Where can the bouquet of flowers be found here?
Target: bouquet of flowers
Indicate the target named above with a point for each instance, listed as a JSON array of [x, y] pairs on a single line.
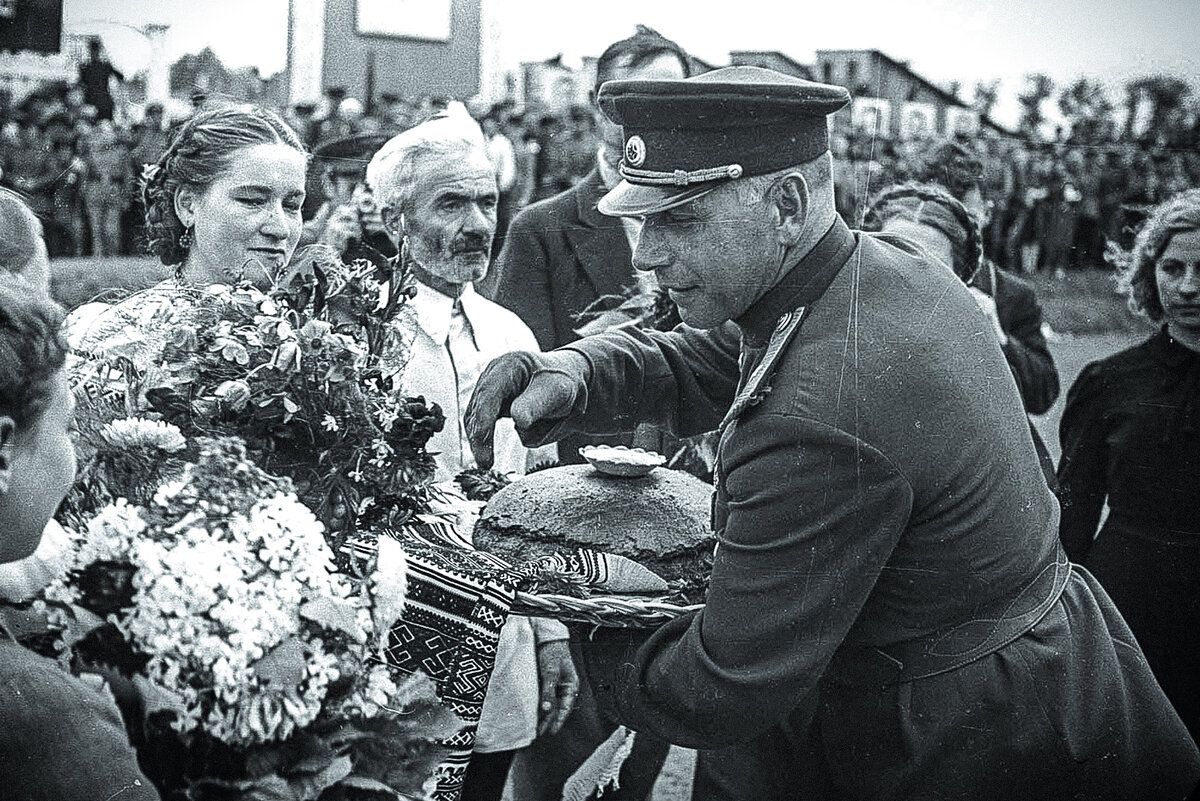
[[303, 373], [257, 665], [216, 606]]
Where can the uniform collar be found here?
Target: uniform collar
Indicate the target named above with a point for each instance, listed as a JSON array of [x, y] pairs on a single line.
[[806, 281]]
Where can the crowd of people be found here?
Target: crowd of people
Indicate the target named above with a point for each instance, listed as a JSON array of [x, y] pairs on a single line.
[[1053, 204], [897, 607]]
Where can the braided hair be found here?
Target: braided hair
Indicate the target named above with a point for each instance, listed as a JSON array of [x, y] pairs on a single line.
[[934, 206], [198, 154]]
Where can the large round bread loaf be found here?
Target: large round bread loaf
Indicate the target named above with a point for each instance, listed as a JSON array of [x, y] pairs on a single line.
[[661, 520]]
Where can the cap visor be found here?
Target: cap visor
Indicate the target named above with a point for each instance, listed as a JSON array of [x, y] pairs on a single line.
[[634, 200]]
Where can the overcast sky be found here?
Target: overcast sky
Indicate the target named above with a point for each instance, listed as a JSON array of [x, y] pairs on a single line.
[[945, 40]]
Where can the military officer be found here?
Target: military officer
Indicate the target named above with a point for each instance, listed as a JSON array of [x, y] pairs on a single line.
[[890, 614]]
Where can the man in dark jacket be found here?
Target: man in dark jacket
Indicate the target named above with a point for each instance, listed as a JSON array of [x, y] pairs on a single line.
[[890, 615], [564, 261]]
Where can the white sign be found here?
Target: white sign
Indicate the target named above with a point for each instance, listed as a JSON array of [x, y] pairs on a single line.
[[417, 19], [872, 115], [918, 121]]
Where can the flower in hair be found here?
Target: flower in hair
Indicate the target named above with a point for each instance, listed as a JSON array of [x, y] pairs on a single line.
[[150, 172]]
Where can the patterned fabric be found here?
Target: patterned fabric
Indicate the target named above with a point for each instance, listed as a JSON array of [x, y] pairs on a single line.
[[456, 600]]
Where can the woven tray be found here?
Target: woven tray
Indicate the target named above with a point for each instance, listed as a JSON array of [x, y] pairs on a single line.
[[612, 611]]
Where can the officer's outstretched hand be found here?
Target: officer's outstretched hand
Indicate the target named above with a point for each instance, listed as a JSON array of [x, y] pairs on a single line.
[[537, 390]]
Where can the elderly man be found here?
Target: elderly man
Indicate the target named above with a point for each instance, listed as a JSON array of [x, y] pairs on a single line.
[[890, 614], [437, 191]]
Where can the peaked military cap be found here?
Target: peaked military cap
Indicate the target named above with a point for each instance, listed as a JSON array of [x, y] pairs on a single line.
[[349, 155], [686, 137]]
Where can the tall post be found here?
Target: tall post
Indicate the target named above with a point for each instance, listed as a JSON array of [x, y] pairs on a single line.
[[494, 80], [158, 74], [306, 50]]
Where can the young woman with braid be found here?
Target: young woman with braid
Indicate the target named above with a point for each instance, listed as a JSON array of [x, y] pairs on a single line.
[[930, 216], [222, 205]]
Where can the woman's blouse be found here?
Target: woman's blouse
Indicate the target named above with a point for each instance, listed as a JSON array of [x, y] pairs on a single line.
[[1130, 436]]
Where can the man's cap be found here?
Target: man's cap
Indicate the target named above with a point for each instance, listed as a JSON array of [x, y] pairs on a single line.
[[686, 137], [349, 155]]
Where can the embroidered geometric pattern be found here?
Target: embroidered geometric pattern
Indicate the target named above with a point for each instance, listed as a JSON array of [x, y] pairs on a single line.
[[456, 602]]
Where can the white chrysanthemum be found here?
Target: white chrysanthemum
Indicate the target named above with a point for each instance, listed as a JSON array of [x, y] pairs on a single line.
[[133, 432], [219, 588]]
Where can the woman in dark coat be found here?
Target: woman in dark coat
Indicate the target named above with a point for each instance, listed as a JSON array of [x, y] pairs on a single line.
[[1131, 437]]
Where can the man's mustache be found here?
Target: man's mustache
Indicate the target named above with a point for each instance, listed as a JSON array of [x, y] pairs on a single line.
[[470, 244]]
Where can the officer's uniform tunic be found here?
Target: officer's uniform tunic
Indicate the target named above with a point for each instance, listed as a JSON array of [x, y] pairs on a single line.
[[890, 614]]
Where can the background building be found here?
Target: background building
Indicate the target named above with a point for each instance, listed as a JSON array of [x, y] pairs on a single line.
[[906, 105]]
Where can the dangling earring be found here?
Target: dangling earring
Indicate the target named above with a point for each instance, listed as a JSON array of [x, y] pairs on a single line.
[[186, 239]]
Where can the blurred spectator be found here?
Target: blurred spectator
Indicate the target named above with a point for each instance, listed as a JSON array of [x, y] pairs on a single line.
[[334, 125], [502, 154], [94, 75], [69, 174], [394, 114], [525, 152], [1088, 246], [106, 187], [302, 120]]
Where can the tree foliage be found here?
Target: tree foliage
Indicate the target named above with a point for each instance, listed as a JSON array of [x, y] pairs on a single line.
[[1038, 88], [987, 93], [1164, 96], [1086, 107]]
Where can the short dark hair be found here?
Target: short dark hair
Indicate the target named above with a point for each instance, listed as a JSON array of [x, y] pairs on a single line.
[[645, 45], [32, 350]]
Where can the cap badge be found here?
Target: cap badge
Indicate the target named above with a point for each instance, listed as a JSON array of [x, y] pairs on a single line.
[[635, 151]]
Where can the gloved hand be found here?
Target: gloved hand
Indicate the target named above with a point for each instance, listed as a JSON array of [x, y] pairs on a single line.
[[537, 390]]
